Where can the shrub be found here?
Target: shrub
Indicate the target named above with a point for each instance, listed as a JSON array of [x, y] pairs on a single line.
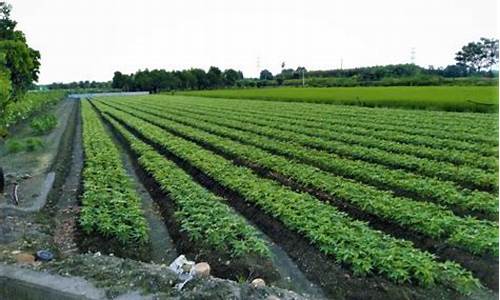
[[43, 124], [33, 144], [14, 146], [28, 144]]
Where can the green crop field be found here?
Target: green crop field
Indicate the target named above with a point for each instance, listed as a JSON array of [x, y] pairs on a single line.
[[378, 193], [211, 159], [447, 98]]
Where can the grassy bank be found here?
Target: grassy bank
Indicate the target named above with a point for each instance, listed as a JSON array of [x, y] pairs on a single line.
[[448, 98]]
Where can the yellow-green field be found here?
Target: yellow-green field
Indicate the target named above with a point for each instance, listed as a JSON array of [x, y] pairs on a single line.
[[448, 98]]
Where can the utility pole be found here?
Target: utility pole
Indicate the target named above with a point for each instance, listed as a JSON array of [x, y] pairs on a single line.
[[282, 75], [412, 55], [258, 67], [303, 78], [341, 62]]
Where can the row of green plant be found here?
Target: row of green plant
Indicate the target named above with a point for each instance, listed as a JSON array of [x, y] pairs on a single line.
[[465, 175], [446, 98], [203, 216], [422, 188], [351, 243], [43, 124], [359, 126], [423, 217], [424, 119], [26, 106], [354, 125], [110, 204], [476, 128], [339, 134]]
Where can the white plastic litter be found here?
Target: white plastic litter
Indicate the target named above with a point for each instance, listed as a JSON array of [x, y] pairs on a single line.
[[184, 270]]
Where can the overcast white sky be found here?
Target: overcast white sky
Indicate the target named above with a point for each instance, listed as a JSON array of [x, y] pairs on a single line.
[[90, 39]]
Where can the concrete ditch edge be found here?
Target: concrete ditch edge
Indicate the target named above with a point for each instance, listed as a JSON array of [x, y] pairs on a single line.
[[20, 283]]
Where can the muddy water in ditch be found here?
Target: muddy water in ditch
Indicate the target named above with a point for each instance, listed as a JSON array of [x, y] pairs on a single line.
[[163, 248], [292, 277]]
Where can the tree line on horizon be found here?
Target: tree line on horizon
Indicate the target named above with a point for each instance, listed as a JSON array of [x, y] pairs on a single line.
[[161, 80], [473, 59], [19, 69]]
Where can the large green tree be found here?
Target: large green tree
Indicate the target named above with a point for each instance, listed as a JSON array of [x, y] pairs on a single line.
[[22, 61], [478, 56], [266, 75], [231, 76], [120, 81], [214, 77]]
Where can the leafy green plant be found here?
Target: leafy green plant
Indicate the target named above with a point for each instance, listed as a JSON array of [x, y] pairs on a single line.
[[43, 124], [350, 242], [202, 215], [463, 130], [422, 187], [33, 144], [465, 175], [19, 145], [242, 279], [27, 105], [14, 145], [111, 206], [367, 138], [423, 217]]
